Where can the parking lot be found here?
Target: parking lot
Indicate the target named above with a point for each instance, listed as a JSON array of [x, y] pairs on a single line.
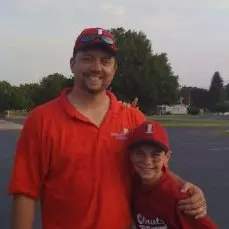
[[200, 155]]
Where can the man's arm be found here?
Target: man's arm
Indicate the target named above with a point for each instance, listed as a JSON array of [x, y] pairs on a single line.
[[195, 205], [187, 222], [28, 173], [23, 212]]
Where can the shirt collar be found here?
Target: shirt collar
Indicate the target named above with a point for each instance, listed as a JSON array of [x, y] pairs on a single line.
[[70, 110]]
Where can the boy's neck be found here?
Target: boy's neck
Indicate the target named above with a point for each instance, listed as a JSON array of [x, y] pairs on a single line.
[[153, 181]]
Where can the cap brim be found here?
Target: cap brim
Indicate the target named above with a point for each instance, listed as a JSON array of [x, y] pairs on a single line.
[[98, 45], [151, 142]]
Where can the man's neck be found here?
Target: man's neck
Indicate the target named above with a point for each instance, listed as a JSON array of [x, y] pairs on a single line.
[[92, 106], [82, 99]]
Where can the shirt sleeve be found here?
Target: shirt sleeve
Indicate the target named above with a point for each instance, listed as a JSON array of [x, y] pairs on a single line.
[[188, 222], [30, 162], [140, 117], [137, 117]]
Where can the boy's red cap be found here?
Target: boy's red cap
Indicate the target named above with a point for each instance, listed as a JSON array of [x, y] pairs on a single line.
[[150, 132], [101, 36]]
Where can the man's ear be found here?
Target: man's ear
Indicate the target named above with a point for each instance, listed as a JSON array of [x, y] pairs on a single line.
[[115, 65], [72, 62]]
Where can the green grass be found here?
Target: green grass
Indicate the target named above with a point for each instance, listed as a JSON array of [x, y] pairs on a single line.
[[226, 132], [187, 122], [193, 124]]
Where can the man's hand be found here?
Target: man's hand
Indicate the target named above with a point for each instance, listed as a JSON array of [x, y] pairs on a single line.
[[132, 104], [135, 102], [195, 205]]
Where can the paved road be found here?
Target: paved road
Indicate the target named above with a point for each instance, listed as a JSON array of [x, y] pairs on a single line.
[[200, 155]]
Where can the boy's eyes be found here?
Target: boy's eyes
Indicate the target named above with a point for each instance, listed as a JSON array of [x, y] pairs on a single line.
[[138, 153], [152, 154]]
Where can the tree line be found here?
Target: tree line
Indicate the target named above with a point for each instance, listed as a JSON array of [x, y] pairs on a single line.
[[214, 99], [141, 73]]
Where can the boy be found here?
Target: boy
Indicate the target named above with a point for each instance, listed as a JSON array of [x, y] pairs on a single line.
[[156, 192]]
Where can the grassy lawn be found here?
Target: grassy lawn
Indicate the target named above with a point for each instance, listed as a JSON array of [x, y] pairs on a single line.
[[226, 132], [178, 121], [190, 122]]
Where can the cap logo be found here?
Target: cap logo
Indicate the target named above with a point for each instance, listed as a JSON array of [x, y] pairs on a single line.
[[149, 129], [100, 32]]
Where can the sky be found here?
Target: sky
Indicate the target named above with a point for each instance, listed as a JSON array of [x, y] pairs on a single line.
[[37, 36]]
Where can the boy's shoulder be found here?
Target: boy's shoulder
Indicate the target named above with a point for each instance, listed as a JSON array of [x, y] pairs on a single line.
[[168, 188]]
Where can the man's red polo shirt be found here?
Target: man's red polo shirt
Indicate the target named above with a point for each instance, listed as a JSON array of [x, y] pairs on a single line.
[[79, 171]]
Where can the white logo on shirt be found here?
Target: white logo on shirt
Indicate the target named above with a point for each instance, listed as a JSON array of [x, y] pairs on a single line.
[[155, 223], [121, 135]]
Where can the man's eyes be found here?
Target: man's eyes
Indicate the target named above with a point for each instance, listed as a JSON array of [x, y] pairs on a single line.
[[86, 58], [104, 60]]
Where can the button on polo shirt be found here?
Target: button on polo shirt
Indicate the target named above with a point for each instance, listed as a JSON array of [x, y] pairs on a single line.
[[78, 170]]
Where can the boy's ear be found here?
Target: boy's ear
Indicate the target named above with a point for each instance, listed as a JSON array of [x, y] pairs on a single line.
[[167, 157], [130, 156]]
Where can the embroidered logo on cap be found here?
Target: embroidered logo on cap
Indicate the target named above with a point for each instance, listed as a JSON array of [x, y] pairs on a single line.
[[100, 32], [149, 129]]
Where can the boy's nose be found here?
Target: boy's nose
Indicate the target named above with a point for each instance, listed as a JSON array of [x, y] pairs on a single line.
[[148, 159]]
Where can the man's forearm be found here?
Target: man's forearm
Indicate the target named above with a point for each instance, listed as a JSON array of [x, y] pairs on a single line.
[[23, 212]]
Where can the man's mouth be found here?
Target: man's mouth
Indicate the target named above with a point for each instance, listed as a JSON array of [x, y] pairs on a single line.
[[94, 79], [92, 76], [145, 168]]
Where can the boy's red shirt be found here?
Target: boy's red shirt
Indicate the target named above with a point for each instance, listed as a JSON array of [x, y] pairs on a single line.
[[155, 206], [79, 171]]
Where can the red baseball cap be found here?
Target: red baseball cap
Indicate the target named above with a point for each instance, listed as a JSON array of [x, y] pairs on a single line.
[[150, 132], [91, 36]]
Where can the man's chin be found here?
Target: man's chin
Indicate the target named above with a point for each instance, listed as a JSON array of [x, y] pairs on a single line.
[[94, 90]]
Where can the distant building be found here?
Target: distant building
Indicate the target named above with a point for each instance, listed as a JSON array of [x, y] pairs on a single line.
[[173, 109]]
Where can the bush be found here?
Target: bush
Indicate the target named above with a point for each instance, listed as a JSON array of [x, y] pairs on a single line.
[[222, 107], [193, 111]]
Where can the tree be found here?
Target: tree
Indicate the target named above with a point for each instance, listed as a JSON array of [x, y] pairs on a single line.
[[216, 91], [6, 91], [227, 92], [142, 74], [50, 87], [222, 107], [198, 97]]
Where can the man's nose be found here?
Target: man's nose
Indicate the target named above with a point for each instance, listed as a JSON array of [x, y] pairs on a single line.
[[97, 65]]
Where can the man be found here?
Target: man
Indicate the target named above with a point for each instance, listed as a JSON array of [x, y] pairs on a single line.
[[70, 153]]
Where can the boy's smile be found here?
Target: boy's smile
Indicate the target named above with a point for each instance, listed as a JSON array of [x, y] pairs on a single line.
[[148, 161]]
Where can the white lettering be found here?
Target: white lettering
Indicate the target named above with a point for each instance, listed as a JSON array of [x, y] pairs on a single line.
[[139, 219], [149, 129], [156, 223]]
